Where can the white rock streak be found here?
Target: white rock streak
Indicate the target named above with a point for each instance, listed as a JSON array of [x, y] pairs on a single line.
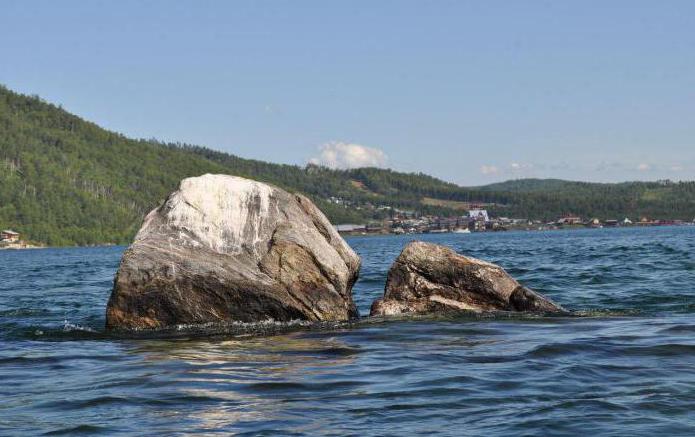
[[224, 212]]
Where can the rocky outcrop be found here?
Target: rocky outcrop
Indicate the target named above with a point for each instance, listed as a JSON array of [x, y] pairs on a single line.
[[429, 278], [223, 248]]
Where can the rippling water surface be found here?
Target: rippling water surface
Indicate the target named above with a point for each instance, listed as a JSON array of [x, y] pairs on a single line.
[[627, 367]]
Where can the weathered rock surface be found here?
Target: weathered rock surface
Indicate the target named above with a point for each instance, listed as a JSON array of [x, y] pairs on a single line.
[[427, 278], [224, 248]]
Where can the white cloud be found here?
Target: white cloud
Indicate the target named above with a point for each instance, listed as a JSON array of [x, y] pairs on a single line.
[[677, 168], [644, 167], [489, 169], [516, 168], [337, 154]]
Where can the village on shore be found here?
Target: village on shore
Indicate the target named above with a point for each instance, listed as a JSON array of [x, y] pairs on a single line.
[[410, 222], [478, 220], [10, 239]]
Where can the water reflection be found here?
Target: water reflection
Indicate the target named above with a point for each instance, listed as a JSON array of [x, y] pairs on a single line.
[[226, 383]]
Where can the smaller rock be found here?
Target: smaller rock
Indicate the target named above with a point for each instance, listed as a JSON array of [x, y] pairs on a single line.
[[429, 278]]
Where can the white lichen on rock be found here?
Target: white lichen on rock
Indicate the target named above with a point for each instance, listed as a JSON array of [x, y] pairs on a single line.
[[224, 213]]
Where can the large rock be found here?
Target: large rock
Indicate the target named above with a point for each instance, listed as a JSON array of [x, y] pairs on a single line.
[[224, 248], [428, 278]]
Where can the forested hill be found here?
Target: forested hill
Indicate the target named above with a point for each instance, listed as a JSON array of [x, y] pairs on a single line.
[[65, 181]]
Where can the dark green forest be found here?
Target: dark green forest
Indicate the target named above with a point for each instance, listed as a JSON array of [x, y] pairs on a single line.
[[66, 181]]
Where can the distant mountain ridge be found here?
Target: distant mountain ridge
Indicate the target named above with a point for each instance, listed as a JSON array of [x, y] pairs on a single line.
[[67, 181]]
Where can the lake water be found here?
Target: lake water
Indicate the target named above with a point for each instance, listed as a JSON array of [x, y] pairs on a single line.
[[626, 368]]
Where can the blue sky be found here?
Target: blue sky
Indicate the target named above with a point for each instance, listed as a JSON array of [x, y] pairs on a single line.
[[472, 92]]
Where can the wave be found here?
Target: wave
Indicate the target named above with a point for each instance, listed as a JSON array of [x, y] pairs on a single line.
[[78, 331]]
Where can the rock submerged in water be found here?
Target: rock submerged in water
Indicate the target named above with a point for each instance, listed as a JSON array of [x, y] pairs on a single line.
[[429, 278], [224, 248]]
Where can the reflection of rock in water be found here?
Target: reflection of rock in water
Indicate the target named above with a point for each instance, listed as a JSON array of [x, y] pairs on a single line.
[[291, 349], [223, 383], [224, 248]]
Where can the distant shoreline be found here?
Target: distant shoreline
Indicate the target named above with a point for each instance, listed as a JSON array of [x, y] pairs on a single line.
[[387, 234], [24, 247], [34, 247], [516, 229]]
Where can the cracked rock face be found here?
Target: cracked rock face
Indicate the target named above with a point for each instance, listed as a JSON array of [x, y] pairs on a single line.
[[428, 278], [223, 248]]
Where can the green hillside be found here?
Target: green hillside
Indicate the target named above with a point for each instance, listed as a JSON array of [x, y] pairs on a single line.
[[66, 181], [543, 198]]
